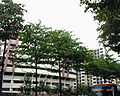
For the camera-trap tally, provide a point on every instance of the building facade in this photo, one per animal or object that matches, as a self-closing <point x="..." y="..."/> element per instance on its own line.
<point x="14" y="74"/>
<point x="88" y="79"/>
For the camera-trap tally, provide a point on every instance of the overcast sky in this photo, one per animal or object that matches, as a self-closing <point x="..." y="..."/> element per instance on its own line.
<point x="63" y="14"/>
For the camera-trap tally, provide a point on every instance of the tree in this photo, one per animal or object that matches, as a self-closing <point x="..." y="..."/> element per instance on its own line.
<point x="26" y="87"/>
<point x="68" y="91"/>
<point x="68" y="52"/>
<point x="81" y="57"/>
<point x="107" y="68"/>
<point x="34" y="47"/>
<point x="62" y="44"/>
<point x="10" y="25"/>
<point x="107" y="12"/>
<point x="56" y="89"/>
<point x="77" y="57"/>
<point x="43" y="88"/>
<point x="82" y="90"/>
<point x="47" y="46"/>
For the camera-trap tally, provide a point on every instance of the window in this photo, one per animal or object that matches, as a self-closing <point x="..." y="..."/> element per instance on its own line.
<point x="15" y="89"/>
<point x="6" y="89"/>
<point x="55" y="77"/>
<point x="8" y="73"/>
<point x="83" y="83"/>
<point x="82" y="76"/>
<point x="48" y="76"/>
<point x="82" y="79"/>
<point x="6" y="81"/>
<point x="18" y="81"/>
<point x="101" y="48"/>
<point x="19" y="74"/>
<point x="94" y="78"/>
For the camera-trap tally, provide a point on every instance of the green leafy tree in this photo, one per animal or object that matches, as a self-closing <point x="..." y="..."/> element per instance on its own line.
<point x="26" y="87"/>
<point x="78" y="56"/>
<point x="68" y="91"/>
<point x="10" y="25"/>
<point x="47" y="46"/>
<point x="56" y="89"/>
<point x="48" y="90"/>
<point x="107" y="12"/>
<point x="34" y="47"/>
<point x="70" y="54"/>
<point x="61" y="45"/>
<point x="83" y="89"/>
<point x="107" y="68"/>
<point x="43" y="88"/>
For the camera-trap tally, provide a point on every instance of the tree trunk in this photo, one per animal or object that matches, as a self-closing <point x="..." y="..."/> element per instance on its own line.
<point x="60" y="86"/>
<point x="36" y="60"/>
<point x="2" y="66"/>
<point x="77" y="83"/>
<point x="105" y="80"/>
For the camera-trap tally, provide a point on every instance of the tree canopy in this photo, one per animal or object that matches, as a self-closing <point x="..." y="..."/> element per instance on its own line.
<point x="105" y="67"/>
<point x="58" y="48"/>
<point x="11" y="19"/>
<point x="107" y="12"/>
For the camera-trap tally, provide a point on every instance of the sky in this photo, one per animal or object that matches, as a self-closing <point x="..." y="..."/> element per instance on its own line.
<point x="63" y="14"/>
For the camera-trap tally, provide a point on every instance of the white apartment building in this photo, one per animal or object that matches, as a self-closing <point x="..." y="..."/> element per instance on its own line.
<point x="97" y="53"/>
<point x="14" y="75"/>
<point x="89" y="79"/>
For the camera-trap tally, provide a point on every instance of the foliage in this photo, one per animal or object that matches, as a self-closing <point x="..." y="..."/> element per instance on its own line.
<point x="33" y="49"/>
<point x="107" y="68"/>
<point x="80" y="56"/>
<point x="54" y="47"/>
<point x="34" y="45"/>
<point x="110" y="35"/>
<point x="82" y="89"/>
<point x="45" y="46"/>
<point x="43" y="88"/>
<point x="68" y="52"/>
<point x="77" y="57"/>
<point x="56" y="89"/>
<point x="107" y="12"/>
<point x="51" y="45"/>
<point x="62" y="44"/>
<point x="26" y="87"/>
<point x="68" y="91"/>
<point x="11" y="19"/>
